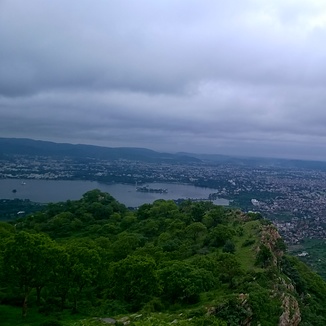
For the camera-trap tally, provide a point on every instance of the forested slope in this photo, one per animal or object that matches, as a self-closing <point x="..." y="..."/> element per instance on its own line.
<point x="192" y="264"/>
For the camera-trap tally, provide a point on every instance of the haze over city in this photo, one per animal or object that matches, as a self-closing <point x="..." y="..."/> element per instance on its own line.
<point x="238" y="77"/>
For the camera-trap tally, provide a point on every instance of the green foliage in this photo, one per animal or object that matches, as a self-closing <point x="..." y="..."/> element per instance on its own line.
<point x="267" y="307"/>
<point x="264" y="256"/>
<point x="6" y="230"/>
<point x="184" y="282"/>
<point x="195" y="321"/>
<point x="280" y="245"/>
<point x="233" y="312"/>
<point x="195" y="230"/>
<point x="10" y="209"/>
<point x="51" y="323"/>
<point x="254" y="216"/>
<point x="134" y="280"/>
<point x="316" y="258"/>
<point x="125" y="245"/>
<point x="193" y="264"/>
<point x="27" y="262"/>
<point x="84" y="265"/>
<point x="248" y="242"/>
<point x="289" y="269"/>
<point x="229" y="247"/>
<point x="219" y="236"/>
<point x="229" y="269"/>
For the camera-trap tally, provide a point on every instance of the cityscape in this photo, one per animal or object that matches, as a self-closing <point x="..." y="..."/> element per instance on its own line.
<point x="294" y="199"/>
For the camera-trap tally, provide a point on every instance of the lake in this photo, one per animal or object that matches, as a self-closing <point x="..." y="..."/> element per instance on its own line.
<point x="45" y="191"/>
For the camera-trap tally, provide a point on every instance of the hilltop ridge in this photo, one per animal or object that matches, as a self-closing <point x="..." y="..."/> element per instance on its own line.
<point x="25" y="146"/>
<point x="20" y="146"/>
<point x="190" y="264"/>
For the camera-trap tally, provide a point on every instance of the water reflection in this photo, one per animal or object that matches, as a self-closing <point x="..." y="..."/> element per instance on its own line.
<point x="44" y="191"/>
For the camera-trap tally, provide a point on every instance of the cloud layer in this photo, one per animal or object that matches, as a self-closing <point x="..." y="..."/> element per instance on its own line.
<point x="243" y="77"/>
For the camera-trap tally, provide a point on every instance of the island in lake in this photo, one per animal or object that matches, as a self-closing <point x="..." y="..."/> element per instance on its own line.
<point x="155" y="190"/>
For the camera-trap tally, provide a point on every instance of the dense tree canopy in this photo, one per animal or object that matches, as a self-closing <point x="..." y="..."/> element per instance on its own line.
<point x="96" y="257"/>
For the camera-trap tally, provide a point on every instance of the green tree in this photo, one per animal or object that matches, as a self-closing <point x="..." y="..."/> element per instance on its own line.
<point x="217" y="214"/>
<point x="125" y="245"/>
<point x="28" y="263"/>
<point x="219" y="235"/>
<point x="229" y="269"/>
<point x="143" y="212"/>
<point x="229" y="247"/>
<point x="84" y="267"/>
<point x="134" y="280"/>
<point x="61" y="281"/>
<point x="264" y="256"/>
<point x="184" y="282"/>
<point x="195" y="230"/>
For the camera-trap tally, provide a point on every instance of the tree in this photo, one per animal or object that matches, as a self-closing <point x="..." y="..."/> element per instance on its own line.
<point x="134" y="280"/>
<point x="219" y="235"/>
<point x="61" y="279"/>
<point x="28" y="263"/>
<point x="84" y="267"/>
<point x="195" y="230"/>
<point x="184" y="282"/>
<point x="229" y="247"/>
<point x="143" y="212"/>
<point x="264" y="256"/>
<point x="125" y="245"/>
<point x="217" y="214"/>
<point x="229" y="268"/>
<point x="199" y="209"/>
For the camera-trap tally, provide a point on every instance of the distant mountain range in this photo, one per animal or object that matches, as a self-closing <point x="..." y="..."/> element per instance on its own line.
<point x="22" y="146"/>
<point x="257" y="161"/>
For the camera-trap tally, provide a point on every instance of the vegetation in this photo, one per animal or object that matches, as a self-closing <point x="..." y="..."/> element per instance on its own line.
<point x="315" y="254"/>
<point x="79" y="262"/>
<point x="10" y="209"/>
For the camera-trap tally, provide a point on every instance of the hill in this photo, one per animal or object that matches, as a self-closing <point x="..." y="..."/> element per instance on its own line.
<point x="188" y="264"/>
<point x="19" y="146"/>
<point x="30" y="147"/>
<point x="255" y="162"/>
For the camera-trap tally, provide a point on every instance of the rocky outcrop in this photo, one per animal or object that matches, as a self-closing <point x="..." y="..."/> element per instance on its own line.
<point x="291" y="313"/>
<point x="108" y="321"/>
<point x="242" y="303"/>
<point x="273" y="241"/>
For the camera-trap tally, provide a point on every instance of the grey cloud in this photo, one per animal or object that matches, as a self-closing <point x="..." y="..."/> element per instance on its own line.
<point x="244" y="77"/>
<point x="146" y="47"/>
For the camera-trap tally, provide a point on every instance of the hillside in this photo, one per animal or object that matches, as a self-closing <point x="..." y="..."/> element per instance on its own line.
<point x="29" y="147"/>
<point x="20" y="146"/>
<point x="192" y="264"/>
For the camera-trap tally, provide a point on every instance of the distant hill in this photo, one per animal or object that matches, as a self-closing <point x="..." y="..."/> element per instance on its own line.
<point x="21" y="146"/>
<point x="257" y="161"/>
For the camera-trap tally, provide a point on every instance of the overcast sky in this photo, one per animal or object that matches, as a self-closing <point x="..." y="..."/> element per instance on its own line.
<point x="244" y="77"/>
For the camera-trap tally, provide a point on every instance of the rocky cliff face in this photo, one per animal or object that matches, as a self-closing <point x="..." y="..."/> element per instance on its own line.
<point x="273" y="241"/>
<point x="291" y="315"/>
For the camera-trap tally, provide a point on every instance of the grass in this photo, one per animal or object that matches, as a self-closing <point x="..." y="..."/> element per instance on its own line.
<point x="246" y="254"/>
<point x="12" y="316"/>
<point x="316" y="259"/>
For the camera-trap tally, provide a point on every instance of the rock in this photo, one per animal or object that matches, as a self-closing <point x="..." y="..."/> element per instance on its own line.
<point x="210" y="311"/>
<point x="124" y="320"/>
<point x="291" y="313"/>
<point x="108" y="320"/>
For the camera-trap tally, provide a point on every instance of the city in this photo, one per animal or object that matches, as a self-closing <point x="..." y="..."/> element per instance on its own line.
<point x="293" y="198"/>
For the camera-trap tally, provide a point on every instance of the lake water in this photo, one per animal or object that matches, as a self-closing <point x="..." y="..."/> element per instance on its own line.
<point x="45" y="191"/>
